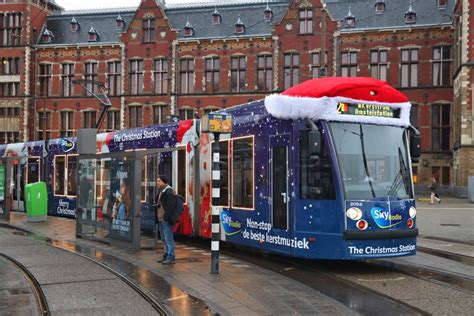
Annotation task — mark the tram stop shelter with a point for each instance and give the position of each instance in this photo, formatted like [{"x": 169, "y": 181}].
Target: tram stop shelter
[{"x": 110, "y": 194}]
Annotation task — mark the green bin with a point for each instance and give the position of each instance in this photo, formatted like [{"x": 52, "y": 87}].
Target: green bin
[{"x": 36, "y": 202}]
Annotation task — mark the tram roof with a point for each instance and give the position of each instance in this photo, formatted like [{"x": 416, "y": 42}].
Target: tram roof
[{"x": 350, "y": 99}]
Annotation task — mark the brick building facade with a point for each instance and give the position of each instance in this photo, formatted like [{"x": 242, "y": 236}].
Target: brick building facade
[
  {"x": 159, "y": 60},
  {"x": 463, "y": 110}
]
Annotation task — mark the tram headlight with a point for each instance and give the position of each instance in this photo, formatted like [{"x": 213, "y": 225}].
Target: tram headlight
[
  {"x": 412, "y": 212},
  {"x": 362, "y": 224},
  {"x": 354, "y": 213}
]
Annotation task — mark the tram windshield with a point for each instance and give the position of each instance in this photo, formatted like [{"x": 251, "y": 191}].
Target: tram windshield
[{"x": 373, "y": 160}]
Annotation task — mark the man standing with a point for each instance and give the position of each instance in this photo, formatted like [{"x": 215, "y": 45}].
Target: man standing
[
  {"x": 166, "y": 205},
  {"x": 84, "y": 188}
]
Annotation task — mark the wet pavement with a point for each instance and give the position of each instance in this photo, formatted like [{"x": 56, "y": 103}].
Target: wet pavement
[
  {"x": 187, "y": 287},
  {"x": 16, "y": 295},
  {"x": 71, "y": 284},
  {"x": 246, "y": 288}
]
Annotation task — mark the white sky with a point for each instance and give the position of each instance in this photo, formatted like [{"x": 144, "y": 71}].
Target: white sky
[
  {"x": 96, "y": 4},
  {"x": 99, "y": 4}
]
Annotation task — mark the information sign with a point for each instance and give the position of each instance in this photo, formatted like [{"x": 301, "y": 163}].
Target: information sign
[
  {"x": 217, "y": 123},
  {"x": 367, "y": 109}
]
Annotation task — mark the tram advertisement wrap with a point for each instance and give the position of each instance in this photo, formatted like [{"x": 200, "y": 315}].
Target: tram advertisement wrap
[
  {"x": 121, "y": 177},
  {"x": 374, "y": 250},
  {"x": 260, "y": 232},
  {"x": 381, "y": 214}
]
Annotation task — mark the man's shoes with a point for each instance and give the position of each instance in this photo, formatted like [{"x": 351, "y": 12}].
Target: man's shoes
[
  {"x": 161, "y": 260},
  {"x": 168, "y": 261}
]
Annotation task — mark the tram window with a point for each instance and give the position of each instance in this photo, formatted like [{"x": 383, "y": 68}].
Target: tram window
[
  {"x": 144, "y": 179},
  {"x": 59, "y": 174},
  {"x": 168, "y": 168},
  {"x": 242, "y": 173},
  {"x": 181, "y": 185},
  {"x": 33, "y": 171},
  {"x": 103, "y": 189},
  {"x": 224, "y": 169},
  {"x": 316, "y": 176},
  {"x": 154, "y": 172},
  {"x": 98, "y": 180},
  {"x": 71, "y": 175},
  {"x": 162, "y": 164}
]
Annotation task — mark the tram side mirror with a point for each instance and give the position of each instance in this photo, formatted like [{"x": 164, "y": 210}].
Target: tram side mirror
[
  {"x": 314, "y": 144},
  {"x": 415, "y": 147}
]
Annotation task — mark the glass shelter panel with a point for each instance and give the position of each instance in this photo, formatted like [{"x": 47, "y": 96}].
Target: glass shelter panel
[{"x": 105, "y": 198}]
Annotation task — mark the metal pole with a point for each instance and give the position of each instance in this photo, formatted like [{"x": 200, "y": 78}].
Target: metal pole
[
  {"x": 216, "y": 184},
  {"x": 44, "y": 118},
  {"x": 136, "y": 214},
  {"x": 7, "y": 191},
  {"x": 197, "y": 180}
]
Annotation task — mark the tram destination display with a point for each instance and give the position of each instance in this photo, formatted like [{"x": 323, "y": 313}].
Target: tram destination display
[{"x": 367, "y": 109}]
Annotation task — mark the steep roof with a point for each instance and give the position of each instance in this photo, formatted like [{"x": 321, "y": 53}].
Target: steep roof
[
  {"x": 199, "y": 15},
  {"x": 251, "y": 14},
  {"x": 103, "y": 21},
  {"x": 427, "y": 13}
]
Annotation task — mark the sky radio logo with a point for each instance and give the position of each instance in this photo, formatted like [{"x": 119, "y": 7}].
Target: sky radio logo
[
  {"x": 66, "y": 145},
  {"x": 384, "y": 219},
  {"x": 230, "y": 227}
]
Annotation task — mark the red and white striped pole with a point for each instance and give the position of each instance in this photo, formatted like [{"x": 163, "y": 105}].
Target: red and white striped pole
[{"x": 216, "y": 194}]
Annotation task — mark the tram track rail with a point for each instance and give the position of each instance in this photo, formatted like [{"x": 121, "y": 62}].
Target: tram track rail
[
  {"x": 143, "y": 293},
  {"x": 456, "y": 282},
  {"x": 448, "y": 278},
  {"x": 345, "y": 291},
  {"x": 152, "y": 288},
  {"x": 157, "y": 306},
  {"x": 38, "y": 293},
  {"x": 358, "y": 298},
  {"x": 447, "y": 255},
  {"x": 454, "y": 241}
]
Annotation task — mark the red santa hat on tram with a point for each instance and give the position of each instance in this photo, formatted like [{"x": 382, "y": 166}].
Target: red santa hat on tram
[{"x": 318, "y": 99}]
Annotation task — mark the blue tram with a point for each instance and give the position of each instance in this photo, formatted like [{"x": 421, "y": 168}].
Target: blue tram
[{"x": 321, "y": 171}]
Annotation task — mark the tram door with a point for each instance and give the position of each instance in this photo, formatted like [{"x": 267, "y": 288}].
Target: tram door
[
  {"x": 153, "y": 165},
  {"x": 158, "y": 164},
  {"x": 17, "y": 185},
  {"x": 280, "y": 176}
]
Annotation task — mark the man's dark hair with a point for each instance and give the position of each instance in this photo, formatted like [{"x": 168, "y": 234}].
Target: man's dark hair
[{"x": 163, "y": 178}]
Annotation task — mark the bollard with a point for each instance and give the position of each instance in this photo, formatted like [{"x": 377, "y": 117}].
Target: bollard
[{"x": 216, "y": 177}]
